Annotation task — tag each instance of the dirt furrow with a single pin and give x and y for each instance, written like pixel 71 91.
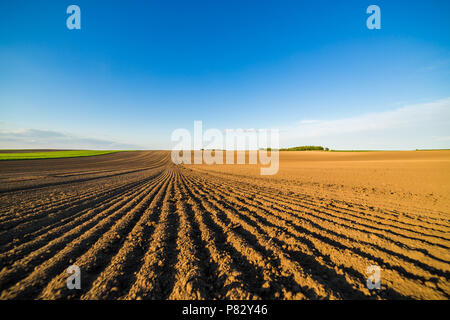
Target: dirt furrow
pixel 192 279
pixel 229 271
pixel 258 250
pixel 418 250
pixel 73 203
pixel 414 251
pixel 115 280
pixel 44 243
pixel 335 239
pixel 363 215
pixel 155 278
pixel 101 254
pixel 140 227
pixel 30 232
pixel 65 255
pixel 433 218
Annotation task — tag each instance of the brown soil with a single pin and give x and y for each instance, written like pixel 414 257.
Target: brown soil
pixel 140 227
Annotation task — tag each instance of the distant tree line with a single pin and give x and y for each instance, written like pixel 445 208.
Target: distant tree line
pixel 301 148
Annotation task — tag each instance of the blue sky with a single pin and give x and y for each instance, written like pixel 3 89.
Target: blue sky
pixel 137 70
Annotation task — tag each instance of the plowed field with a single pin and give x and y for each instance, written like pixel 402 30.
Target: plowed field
pixel 140 227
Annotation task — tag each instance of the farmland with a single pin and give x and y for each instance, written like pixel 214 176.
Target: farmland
pixel 140 227
pixel 49 154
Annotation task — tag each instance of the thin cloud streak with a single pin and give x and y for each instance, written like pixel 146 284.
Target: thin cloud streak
pixel 405 127
pixel 47 139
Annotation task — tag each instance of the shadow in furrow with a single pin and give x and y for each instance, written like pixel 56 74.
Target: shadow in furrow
pixel 399 269
pixel 254 281
pixel 208 267
pixel 121 281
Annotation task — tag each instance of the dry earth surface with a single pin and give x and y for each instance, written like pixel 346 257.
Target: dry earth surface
pixel 140 227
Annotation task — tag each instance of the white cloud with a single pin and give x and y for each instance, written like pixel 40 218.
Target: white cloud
pixel 47 139
pixel 444 138
pixel 406 127
pixel 424 126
